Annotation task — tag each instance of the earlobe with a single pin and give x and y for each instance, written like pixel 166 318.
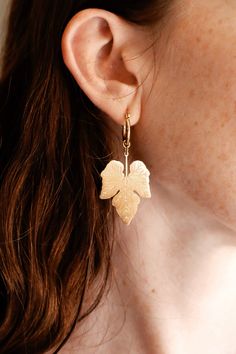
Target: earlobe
pixel 97 49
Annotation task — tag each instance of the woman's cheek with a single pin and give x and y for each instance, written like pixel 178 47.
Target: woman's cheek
pixel 195 136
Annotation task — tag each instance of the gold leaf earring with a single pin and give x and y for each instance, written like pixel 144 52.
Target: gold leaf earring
pixel 123 185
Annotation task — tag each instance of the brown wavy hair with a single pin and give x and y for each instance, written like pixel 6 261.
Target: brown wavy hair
pixel 56 235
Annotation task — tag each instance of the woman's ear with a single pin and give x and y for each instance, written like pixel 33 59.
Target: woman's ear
pixel 107 57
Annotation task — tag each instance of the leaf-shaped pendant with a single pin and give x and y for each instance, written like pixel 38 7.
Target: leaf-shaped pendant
pixel 125 189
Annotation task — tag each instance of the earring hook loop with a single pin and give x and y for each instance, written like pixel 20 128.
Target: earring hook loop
pixel 126 131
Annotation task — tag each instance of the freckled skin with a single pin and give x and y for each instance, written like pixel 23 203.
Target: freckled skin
pixel 192 108
pixel 174 266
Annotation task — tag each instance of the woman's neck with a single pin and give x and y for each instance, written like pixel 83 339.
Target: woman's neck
pixel 173 283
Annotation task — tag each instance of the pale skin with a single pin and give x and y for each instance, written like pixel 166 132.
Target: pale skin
pixel 174 266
